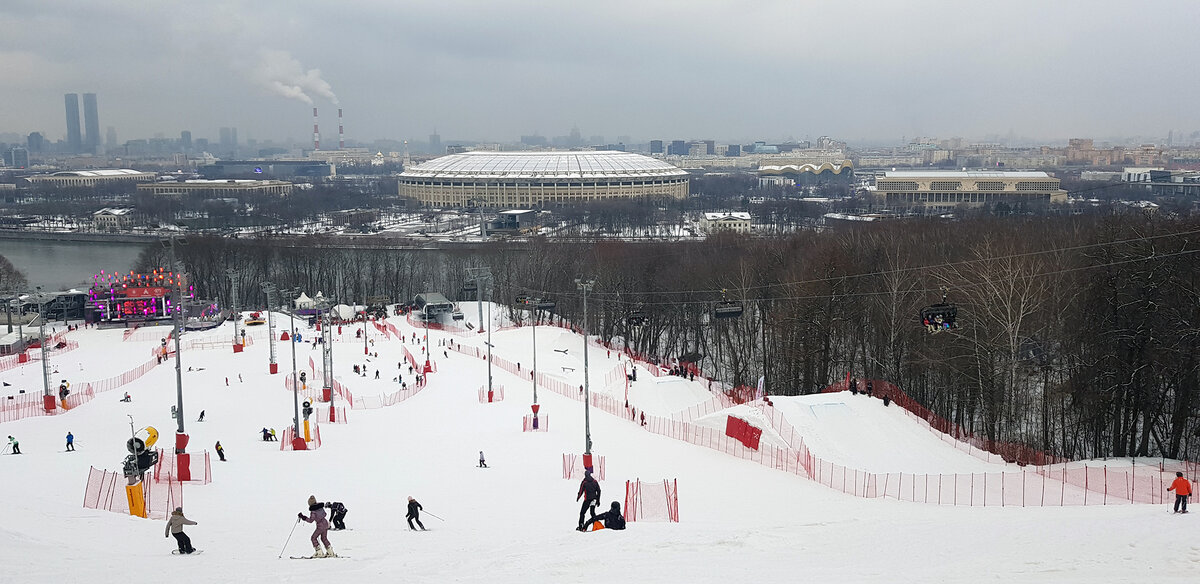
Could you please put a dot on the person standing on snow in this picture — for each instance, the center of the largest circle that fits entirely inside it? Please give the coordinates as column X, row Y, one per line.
column 175, row 527
column 220, row 451
column 337, row 514
column 414, row 514
column 201, row 419
column 16, row 445
column 316, row 514
column 482, row 462
column 1182, row 489
column 589, row 489
column 70, row 442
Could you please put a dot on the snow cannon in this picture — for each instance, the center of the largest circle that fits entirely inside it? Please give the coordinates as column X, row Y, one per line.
column 142, row 457
column 303, row 381
column 307, row 410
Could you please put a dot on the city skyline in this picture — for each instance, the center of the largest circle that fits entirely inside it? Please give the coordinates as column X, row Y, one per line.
column 860, row 71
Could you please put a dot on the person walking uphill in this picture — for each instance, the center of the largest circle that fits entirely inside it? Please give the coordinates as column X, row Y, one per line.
column 414, row 514
column 589, row 489
column 316, row 514
column 175, row 527
column 1183, row 489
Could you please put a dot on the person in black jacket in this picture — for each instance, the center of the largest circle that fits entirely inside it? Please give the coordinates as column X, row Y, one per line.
column 414, row 514
column 613, row 519
column 337, row 515
column 589, row 489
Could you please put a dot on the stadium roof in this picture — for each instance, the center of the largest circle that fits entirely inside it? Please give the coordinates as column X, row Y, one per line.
column 965, row 174
column 112, row 172
column 591, row 164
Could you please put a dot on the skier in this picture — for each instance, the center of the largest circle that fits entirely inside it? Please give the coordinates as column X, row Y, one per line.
column 612, row 519
column 70, row 442
column 589, row 487
column 854, row 386
column 175, row 527
column 870, row 387
column 376, row 374
column 16, row 445
column 1182, row 489
column 887, row 400
column 220, row 451
column 337, row 514
column 482, row 462
column 316, row 513
column 414, row 514
column 201, row 416
column 239, row 374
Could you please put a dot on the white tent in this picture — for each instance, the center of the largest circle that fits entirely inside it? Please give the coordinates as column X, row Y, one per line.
column 303, row 301
column 343, row 312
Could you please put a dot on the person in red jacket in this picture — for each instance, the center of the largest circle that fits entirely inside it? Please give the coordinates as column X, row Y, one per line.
column 1182, row 489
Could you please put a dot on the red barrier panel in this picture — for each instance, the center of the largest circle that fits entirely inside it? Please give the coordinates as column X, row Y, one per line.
column 573, row 466
column 167, row 468
column 497, row 394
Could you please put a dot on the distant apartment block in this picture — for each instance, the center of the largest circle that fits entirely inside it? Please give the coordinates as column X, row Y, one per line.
column 735, row 221
column 945, row 190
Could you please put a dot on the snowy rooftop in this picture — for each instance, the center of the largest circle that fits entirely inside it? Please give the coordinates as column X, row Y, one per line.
column 592, row 164
column 936, row 174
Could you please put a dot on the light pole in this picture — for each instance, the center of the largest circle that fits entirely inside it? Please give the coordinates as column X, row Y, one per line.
column 586, row 286
column 292, row 293
column 481, row 274
column 272, row 301
column 177, row 317
column 49, row 399
column 233, row 303
column 366, row 351
column 425, row 317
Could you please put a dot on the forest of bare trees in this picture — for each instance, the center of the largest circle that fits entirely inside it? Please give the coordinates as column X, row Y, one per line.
column 1079, row 335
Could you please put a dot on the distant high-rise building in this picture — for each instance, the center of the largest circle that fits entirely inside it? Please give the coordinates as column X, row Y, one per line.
column 110, row 138
column 74, row 137
column 710, row 147
column 91, row 124
column 734, row 150
column 185, row 140
column 435, row 143
column 534, row 140
column 656, row 147
column 677, row 148
column 35, row 142
column 19, row 157
column 228, row 140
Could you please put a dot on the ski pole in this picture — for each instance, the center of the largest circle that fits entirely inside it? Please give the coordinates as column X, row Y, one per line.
column 289, row 539
column 433, row 516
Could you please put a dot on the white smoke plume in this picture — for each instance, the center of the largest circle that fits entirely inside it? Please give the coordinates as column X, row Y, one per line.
column 282, row 74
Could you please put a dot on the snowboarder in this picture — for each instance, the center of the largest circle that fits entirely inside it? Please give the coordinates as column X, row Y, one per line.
column 16, row 445
column 220, row 451
column 201, row 416
column 337, row 514
column 414, row 514
column 612, row 519
column 64, row 389
column 266, row 435
column 175, row 527
column 316, row 514
column 1182, row 489
column 482, row 462
column 274, row 438
column 70, row 442
column 128, row 398
column 589, row 487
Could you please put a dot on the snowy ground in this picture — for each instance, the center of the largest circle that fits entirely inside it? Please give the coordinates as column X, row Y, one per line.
column 514, row 521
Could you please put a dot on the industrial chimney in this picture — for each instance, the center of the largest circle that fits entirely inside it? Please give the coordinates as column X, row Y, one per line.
column 341, row 132
column 316, row 132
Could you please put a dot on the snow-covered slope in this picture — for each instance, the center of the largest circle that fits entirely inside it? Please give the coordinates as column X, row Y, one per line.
column 513, row 522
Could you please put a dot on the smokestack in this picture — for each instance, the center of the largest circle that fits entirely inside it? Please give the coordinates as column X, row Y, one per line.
column 316, row 132
column 341, row 132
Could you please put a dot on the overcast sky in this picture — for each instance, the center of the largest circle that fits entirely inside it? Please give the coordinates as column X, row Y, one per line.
column 691, row 69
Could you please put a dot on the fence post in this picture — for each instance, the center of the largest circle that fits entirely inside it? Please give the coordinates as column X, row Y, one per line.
column 1106, row 484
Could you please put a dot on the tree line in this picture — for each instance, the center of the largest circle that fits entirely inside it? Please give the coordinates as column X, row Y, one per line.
column 1078, row 334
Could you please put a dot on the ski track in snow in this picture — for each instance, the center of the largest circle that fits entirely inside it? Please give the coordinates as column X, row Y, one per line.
column 739, row 520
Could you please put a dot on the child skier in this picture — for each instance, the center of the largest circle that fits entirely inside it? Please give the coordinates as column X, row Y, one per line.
column 316, row 514
column 175, row 527
column 337, row 515
column 414, row 514
column 1182, row 489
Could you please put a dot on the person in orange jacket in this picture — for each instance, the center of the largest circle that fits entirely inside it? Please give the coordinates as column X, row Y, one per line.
column 1182, row 489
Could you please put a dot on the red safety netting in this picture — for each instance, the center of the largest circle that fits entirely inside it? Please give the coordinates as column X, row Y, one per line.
column 573, row 466
column 542, row 425
column 285, row 441
column 419, row 366
column 497, row 394
column 336, row 416
column 743, row 432
column 106, row 490
column 167, row 469
column 652, row 501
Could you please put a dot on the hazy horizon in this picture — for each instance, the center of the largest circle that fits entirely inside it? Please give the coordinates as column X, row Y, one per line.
column 865, row 71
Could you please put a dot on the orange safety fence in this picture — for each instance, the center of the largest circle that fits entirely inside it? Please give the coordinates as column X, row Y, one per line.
column 106, row 490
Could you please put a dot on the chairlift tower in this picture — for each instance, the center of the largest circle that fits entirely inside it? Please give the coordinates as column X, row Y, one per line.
column 479, row 275
column 272, row 301
column 586, row 286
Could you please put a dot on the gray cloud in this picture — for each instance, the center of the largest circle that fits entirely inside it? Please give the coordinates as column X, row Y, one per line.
column 671, row 69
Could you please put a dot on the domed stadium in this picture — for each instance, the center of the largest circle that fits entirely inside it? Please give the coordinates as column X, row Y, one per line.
column 540, row 179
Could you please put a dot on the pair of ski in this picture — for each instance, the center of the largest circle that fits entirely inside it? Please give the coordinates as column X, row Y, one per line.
column 317, row 557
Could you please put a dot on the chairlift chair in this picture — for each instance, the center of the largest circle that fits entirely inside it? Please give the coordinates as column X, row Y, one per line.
column 727, row 309
column 636, row 318
column 939, row 317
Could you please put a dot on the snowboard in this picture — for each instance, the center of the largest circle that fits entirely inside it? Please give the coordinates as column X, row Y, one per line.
column 176, row 553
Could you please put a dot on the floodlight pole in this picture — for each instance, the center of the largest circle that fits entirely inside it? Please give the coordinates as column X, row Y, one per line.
column 178, row 330
column 42, row 340
column 586, row 286
column 482, row 274
column 270, row 290
column 535, row 319
column 233, row 301
column 295, row 381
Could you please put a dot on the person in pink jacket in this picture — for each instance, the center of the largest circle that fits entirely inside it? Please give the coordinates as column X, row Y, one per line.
column 316, row 514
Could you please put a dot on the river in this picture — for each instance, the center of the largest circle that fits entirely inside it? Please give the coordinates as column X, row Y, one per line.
column 60, row 265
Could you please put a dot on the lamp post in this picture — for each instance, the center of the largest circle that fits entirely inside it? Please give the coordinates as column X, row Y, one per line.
column 176, row 318
column 425, row 310
column 272, row 301
column 586, row 286
column 481, row 274
column 292, row 293
column 49, row 399
column 233, row 303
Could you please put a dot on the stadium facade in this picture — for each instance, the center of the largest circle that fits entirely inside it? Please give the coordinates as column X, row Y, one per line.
column 540, row 179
